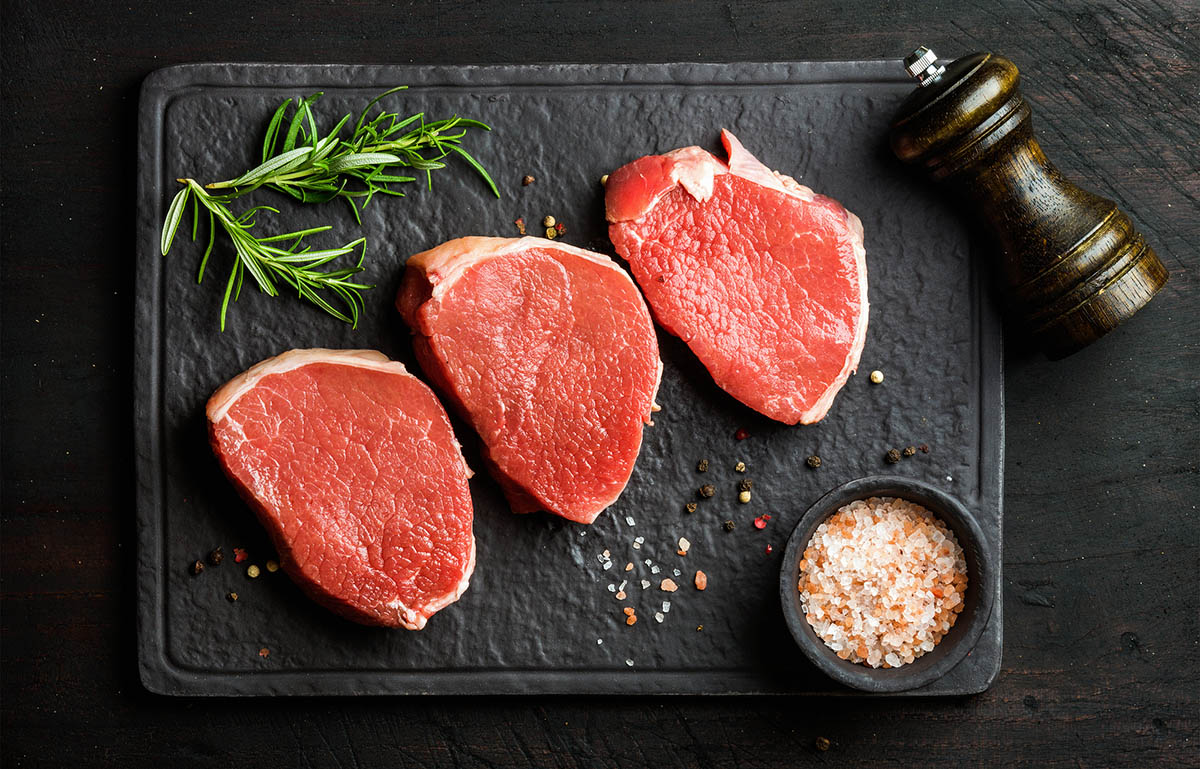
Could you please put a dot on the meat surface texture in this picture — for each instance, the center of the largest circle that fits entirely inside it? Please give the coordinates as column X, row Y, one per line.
column 765, row 280
column 548, row 351
column 351, row 465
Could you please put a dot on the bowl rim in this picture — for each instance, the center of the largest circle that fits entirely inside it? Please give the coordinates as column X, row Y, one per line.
column 944, row 506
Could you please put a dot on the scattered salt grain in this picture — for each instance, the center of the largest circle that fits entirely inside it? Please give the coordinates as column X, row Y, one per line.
column 676, row 572
column 612, row 588
column 666, row 606
column 629, row 520
column 645, row 584
column 607, row 565
column 629, row 663
column 654, row 569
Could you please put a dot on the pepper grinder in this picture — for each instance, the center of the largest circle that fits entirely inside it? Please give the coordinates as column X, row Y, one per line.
column 1074, row 264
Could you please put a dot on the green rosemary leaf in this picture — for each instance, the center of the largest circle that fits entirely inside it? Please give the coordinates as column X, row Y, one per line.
column 273, row 131
column 174, row 214
column 212, row 237
column 303, row 108
column 478, row 168
column 280, row 164
column 361, row 160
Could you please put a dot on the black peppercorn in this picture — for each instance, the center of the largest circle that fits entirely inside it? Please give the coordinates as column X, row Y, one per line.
column 909, row 451
column 893, row 456
column 702, row 465
column 823, row 743
column 729, row 525
column 813, row 461
column 690, row 507
column 707, row 490
column 197, row 567
column 745, row 484
column 215, row 557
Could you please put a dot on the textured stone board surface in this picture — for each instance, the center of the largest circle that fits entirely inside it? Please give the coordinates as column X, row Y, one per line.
column 539, row 601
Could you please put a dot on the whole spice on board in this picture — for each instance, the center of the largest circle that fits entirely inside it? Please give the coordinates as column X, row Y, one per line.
column 313, row 168
column 893, row 456
column 239, row 555
column 520, row 222
column 741, row 434
column 690, row 507
column 702, row 466
column 527, row 180
column 744, row 497
column 909, row 451
column 874, row 602
column 876, row 377
column 215, row 557
column 745, row 484
column 729, row 525
column 231, row 597
column 196, row 568
column 253, row 571
column 761, row 521
column 740, row 467
column 707, row 491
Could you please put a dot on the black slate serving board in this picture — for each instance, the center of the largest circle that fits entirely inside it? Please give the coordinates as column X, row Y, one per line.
column 539, row 617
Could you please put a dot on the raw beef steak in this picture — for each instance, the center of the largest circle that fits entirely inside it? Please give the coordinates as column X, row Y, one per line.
column 351, row 465
column 765, row 280
column 548, row 351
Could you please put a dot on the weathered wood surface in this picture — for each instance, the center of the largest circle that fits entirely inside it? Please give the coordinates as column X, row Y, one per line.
column 1102, row 541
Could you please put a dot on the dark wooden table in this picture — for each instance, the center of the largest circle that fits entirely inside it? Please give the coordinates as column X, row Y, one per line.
column 1102, row 540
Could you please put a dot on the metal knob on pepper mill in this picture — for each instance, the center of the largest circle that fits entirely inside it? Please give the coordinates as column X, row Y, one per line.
column 1074, row 264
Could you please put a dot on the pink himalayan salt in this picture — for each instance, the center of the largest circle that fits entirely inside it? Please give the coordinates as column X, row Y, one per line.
column 881, row 581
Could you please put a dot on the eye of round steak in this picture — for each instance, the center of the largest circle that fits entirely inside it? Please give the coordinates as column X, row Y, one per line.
column 764, row 280
column 548, row 351
column 351, row 465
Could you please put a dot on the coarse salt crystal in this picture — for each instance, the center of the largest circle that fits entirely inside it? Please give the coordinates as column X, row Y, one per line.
column 645, row 584
column 666, row 606
column 684, row 545
column 676, row 572
column 612, row 588
column 639, row 540
column 599, row 641
column 654, row 569
column 658, row 616
column 629, row 663
column 629, row 520
column 607, row 565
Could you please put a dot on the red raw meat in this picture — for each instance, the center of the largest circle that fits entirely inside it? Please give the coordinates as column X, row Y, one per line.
column 351, row 465
column 548, row 351
column 765, row 280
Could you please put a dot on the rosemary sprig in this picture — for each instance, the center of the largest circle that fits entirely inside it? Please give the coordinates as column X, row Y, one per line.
column 313, row 168
column 296, row 265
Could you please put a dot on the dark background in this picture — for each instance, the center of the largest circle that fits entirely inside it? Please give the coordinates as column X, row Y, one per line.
column 1102, row 542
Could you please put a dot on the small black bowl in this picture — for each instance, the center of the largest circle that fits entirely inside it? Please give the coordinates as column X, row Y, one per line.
column 953, row 647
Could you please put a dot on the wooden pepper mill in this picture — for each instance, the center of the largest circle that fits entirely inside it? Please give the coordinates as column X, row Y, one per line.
column 1074, row 264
